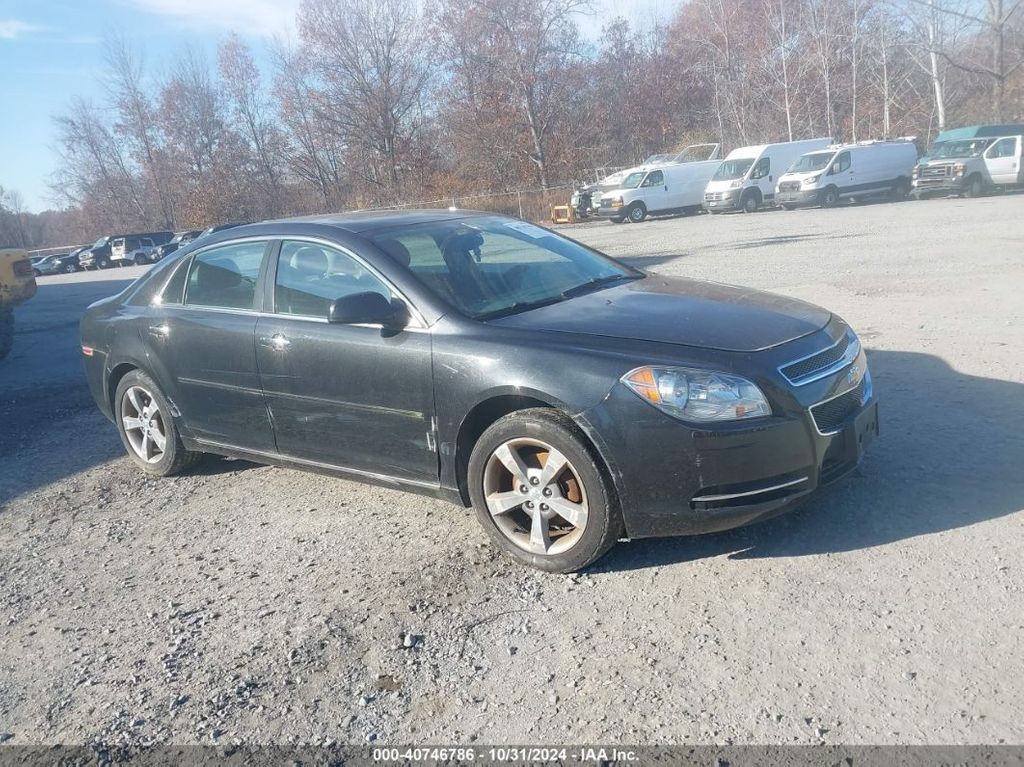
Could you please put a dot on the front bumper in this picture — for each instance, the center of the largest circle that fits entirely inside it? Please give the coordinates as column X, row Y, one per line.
column 721, row 201
column 677, row 479
column 606, row 212
column 798, row 197
column 947, row 185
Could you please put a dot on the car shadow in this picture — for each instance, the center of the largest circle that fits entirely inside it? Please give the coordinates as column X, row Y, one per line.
column 949, row 456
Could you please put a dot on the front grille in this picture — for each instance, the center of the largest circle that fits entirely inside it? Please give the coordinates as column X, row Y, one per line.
column 797, row 372
column 713, row 196
column 789, row 186
column 606, row 202
column 830, row 415
column 934, row 171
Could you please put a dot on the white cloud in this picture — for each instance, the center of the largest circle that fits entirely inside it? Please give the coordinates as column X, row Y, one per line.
column 264, row 18
column 11, row 28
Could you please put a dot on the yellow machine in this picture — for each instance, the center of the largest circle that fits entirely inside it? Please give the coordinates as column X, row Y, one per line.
column 17, row 284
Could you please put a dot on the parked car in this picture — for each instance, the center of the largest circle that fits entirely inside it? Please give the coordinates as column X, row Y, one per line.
column 973, row 131
column 137, row 249
column 849, row 171
column 218, row 228
column 43, row 265
column 98, row 256
column 747, row 177
column 179, row 240
column 17, row 285
column 70, row 262
column 569, row 398
column 971, row 166
column 672, row 188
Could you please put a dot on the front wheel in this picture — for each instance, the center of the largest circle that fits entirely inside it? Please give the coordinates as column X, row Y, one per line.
column 6, row 332
column 147, row 429
column 751, row 202
column 787, row 206
column 637, row 212
column 975, row 186
column 540, row 494
column 70, row 269
column 139, row 259
column 900, row 190
column 830, row 197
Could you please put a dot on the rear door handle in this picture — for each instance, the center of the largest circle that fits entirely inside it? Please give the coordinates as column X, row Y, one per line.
column 277, row 342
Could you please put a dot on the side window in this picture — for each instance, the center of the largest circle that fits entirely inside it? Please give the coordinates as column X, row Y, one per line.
column 174, row 290
column 654, row 178
column 311, row 277
column 225, row 277
column 1005, row 147
column 762, row 169
column 842, row 163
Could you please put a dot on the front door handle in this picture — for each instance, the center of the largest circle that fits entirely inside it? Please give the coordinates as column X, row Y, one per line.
column 277, row 342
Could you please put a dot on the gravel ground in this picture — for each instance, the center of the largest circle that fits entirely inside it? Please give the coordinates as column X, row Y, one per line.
column 252, row 604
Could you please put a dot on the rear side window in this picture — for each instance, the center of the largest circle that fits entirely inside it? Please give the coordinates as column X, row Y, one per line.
column 174, row 290
column 225, row 277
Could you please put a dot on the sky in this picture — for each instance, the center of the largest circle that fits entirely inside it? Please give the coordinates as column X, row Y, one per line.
column 53, row 50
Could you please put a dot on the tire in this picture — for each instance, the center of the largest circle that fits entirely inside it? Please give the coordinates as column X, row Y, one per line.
column 70, row 269
column 140, row 260
column 975, row 186
column 900, row 190
column 617, row 220
column 787, row 206
column 6, row 332
column 102, row 264
column 581, row 485
column 830, row 197
column 637, row 212
column 136, row 393
column 751, row 202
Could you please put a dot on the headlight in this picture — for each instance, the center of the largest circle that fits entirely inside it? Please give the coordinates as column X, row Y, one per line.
column 697, row 395
column 812, row 179
column 617, row 202
column 736, row 184
column 916, row 171
column 959, row 168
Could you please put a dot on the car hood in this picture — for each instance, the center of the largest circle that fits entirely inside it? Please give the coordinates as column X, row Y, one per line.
column 681, row 311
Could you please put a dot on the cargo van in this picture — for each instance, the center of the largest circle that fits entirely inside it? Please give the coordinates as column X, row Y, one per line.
column 746, row 180
column 670, row 188
column 849, row 171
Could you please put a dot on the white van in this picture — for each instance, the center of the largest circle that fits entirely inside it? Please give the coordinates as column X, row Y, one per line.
column 846, row 171
column 671, row 188
column 746, row 180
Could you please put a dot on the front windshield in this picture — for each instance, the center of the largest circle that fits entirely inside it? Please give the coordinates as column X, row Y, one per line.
column 732, row 169
column 966, row 148
column 632, row 181
column 100, row 242
column 813, row 161
column 490, row 266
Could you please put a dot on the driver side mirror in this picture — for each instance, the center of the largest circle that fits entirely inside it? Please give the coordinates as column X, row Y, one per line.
column 368, row 308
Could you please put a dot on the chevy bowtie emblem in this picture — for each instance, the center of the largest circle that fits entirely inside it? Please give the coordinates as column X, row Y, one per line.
column 853, row 374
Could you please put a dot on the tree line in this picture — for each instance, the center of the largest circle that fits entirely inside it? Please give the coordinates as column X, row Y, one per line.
column 389, row 102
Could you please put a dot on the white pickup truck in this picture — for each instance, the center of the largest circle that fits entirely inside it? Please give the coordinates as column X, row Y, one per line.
column 971, row 167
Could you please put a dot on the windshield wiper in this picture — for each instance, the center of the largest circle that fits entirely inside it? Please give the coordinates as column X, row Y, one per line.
column 520, row 306
column 597, row 282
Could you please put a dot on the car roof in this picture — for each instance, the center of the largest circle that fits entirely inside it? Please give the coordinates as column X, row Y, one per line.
column 369, row 221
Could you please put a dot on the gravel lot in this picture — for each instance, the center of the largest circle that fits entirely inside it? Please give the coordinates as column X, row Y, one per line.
column 255, row 604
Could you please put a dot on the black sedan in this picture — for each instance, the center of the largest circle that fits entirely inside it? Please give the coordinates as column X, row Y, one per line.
column 570, row 399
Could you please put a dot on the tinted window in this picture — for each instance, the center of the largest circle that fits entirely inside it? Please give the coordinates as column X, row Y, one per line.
column 225, row 277
column 175, row 288
column 310, row 277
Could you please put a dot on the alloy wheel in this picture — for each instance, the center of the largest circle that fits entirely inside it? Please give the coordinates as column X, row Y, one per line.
column 535, row 496
column 143, row 424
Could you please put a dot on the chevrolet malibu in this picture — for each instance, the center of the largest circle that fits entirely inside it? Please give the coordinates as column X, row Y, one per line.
column 570, row 399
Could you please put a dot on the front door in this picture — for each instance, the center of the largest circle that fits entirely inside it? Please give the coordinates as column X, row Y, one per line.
column 205, row 341
column 1003, row 161
column 656, row 191
column 355, row 397
column 763, row 176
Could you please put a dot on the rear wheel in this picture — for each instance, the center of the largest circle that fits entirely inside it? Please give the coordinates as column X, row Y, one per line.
column 147, row 429
column 540, row 494
column 637, row 212
column 830, row 197
column 139, row 259
column 102, row 263
column 900, row 190
column 6, row 332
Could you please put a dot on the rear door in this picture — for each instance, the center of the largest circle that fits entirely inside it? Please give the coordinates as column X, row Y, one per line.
column 203, row 333
column 356, row 397
column 1003, row 161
